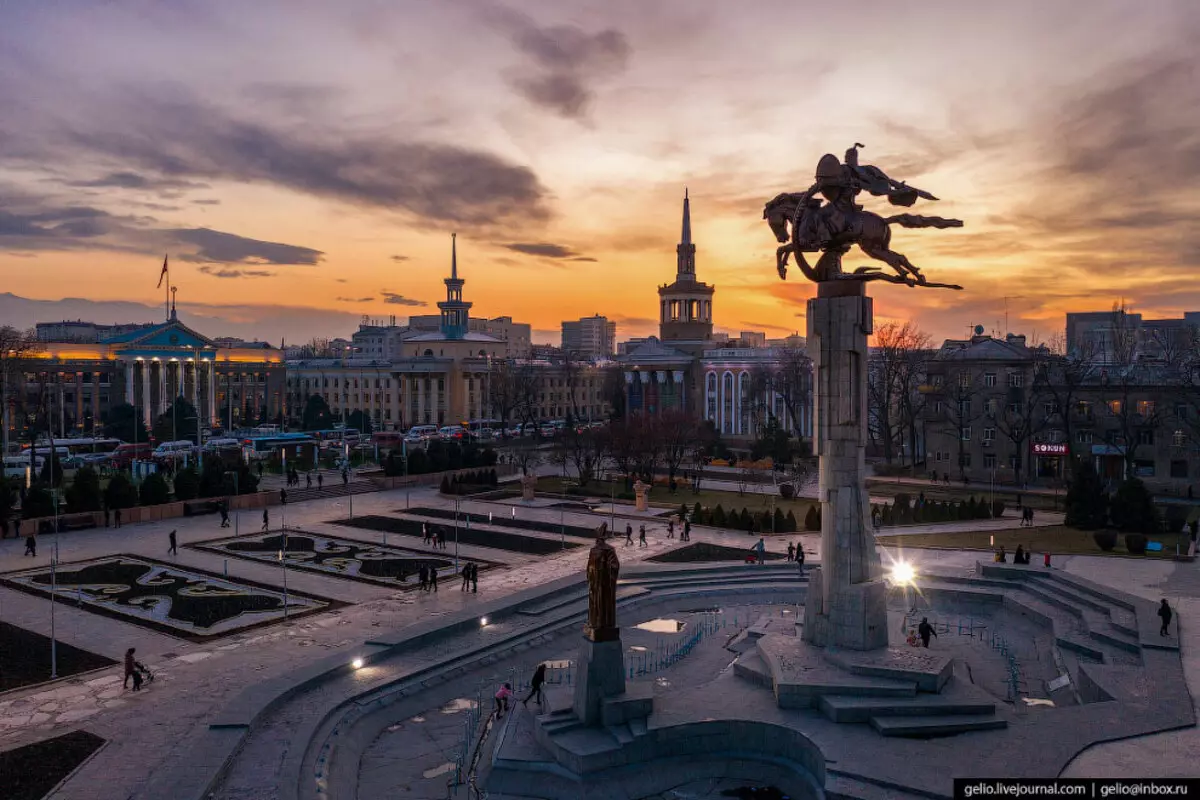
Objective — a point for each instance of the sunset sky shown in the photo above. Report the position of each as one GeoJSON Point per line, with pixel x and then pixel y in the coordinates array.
{"type": "Point", "coordinates": [316, 155]}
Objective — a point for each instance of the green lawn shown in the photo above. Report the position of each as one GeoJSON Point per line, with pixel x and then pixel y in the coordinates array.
{"type": "Point", "coordinates": [660, 496]}
{"type": "Point", "coordinates": [1058, 539]}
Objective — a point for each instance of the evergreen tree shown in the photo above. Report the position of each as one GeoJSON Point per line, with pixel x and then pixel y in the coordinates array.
{"type": "Point", "coordinates": [84, 492]}
{"type": "Point", "coordinates": [791, 522]}
{"type": "Point", "coordinates": [446, 487]}
{"type": "Point", "coordinates": [1132, 508]}
{"type": "Point", "coordinates": [52, 474]}
{"type": "Point", "coordinates": [779, 521]}
{"type": "Point", "coordinates": [697, 514]}
{"type": "Point", "coordinates": [120, 492]}
{"type": "Point", "coordinates": [812, 521]}
{"type": "Point", "coordinates": [317, 416]}
{"type": "Point", "coordinates": [1086, 502]}
{"type": "Point", "coordinates": [360, 421]}
{"type": "Point", "coordinates": [718, 516]}
{"type": "Point", "coordinates": [177, 423]}
{"type": "Point", "coordinates": [187, 484]}
{"type": "Point", "coordinates": [8, 498]}
{"type": "Point", "coordinates": [154, 490]}
{"type": "Point", "coordinates": [125, 423]}
{"type": "Point", "coordinates": [39, 502]}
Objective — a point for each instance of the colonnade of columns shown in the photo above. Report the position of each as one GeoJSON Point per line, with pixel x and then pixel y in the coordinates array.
{"type": "Point", "coordinates": [161, 381]}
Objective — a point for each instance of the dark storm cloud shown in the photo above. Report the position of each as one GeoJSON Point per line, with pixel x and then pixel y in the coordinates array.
{"type": "Point", "coordinates": [227, 272]}
{"type": "Point", "coordinates": [51, 228]}
{"type": "Point", "coordinates": [401, 300]}
{"type": "Point", "coordinates": [546, 250]}
{"type": "Point", "coordinates": [399, 258]}
{"type": "Point", "coordinates": [228, 248]}
{"type": "Point", "coordinates": [563, 61]}
{"type": "Point", "coordinates": [190, 140]}
{"type": "Point", "coordinates": [134, 180]}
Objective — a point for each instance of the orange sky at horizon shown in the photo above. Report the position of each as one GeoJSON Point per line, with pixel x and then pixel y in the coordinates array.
{"type": "Point", "coordinates": [333, 158]}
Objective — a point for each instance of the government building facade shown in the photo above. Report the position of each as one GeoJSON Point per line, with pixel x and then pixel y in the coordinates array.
{"type": "Point", "coordinates": [689, 367]}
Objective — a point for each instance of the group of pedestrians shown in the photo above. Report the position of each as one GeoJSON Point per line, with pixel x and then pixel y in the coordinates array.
{"type": "Point", "coordinates": [470, 577]}
{"type": "Point", "coordinates": [641, 535]}
{"type": "Point", "coordinates": [1026, 517]}
{"type": "Point", "coordinates": [795, 552]}
{"type": "Point", "coordinates": [433, 535]}
{"type": "Point", "coordinates": [428, 576]}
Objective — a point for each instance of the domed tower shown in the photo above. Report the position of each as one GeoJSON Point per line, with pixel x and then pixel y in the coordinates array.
{"type": "Point", "coordinates": [685, 306]}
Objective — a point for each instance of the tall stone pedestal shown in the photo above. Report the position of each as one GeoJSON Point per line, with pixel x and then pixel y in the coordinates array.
{"type": "Point", "coordinates": [847, 599]}
{"type": "Point", "coordinates": [600, 674]}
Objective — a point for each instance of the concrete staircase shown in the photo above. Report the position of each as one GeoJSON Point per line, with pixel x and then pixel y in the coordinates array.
{"type": "Point", "coordinates": [332, 488]}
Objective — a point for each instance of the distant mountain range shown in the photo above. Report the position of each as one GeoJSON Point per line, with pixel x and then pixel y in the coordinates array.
{"type": "Point", "coordinates": [296, 324]}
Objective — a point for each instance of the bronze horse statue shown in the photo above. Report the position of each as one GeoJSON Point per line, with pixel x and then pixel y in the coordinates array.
{"type": "Point", "coordinates": [832, 228]}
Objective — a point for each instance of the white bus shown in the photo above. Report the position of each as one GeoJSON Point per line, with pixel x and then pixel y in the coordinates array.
{"type": "Point", "coordinates": [18, 466]}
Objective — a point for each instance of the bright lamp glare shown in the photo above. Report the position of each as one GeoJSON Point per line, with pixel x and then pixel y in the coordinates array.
{"type": "Point", "coordinates": [903, 572]}
{"type": "Point", "coordinates": [357, 663]}
{"type": "Point", "coordinates": [483, 621]}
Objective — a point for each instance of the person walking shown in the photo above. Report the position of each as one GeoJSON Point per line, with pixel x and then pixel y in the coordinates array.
{"type": "Point", "coordinates": [925, 630]}
{"type": "Point", "coordinates": [474, 578]}
{"type": "Point", "coordinates": [283, 497]}
{"type": "Point", "coordinates": [31, 545]}
{"type": "Point", "coordinates": [671, 529]}
{"type": "Point", "coordinates": [502, 697]}
{"type": "Point", "coordinates": [442, 538]}
{"type": "Point", "coordinates": [117, 517]}
{"type": "Point", "coordinates": [686, 533]}
{"type": "Point", "coordinates": [1019, 556]}
{"type": "Point", "coordinates": [107, 517]}
{"type": "Point", "coordinates": [320, 480]}
{"type": "Point", "coordinates": [224, 509]}
{"type": "Point", "coordinates": [423, 575]}
{"type": "Point", "coordinates": [760, 549]}
{"type": "Point", "coordinates": [173, 546]}
{"type": "Point", "coordinates": [433, 576]}
{"type": "Point", "coordinates": [800, 559]}
{"type": "Point", "coordinates": [791, 553]}
{"type": "Point", "coordinates": [628, 534]}
{"type": "Point", "coordinates": [266, 519]}
{"type": "Point", "coordinates": [466, 577]}
{"type": "Point", "coordinates": [535, 686]}
{"type": "Point", "coordinates": [1165, 614]}
{"type": "Point", "coordinates": [1029, 511]}
{"type": "Point", "coordinates": [642, 537]}
{"type": "Point", "coordinates": [308, 480]}
{"type": "Point", "coordinates": [130, 670]}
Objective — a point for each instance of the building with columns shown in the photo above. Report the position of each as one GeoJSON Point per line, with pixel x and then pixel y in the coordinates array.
{"type": "Point", "coordinates": [148, 366]}
{"type": "Point", "coordinates": [438, 377]}
{"type": "Point", "coordinates": [690, 367]}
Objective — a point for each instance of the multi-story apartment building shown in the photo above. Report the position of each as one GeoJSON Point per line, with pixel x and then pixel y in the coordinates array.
{"type": "Point", "coordinates": [997, 408]}
{"type": "Point", "coordinates": [590, 338]}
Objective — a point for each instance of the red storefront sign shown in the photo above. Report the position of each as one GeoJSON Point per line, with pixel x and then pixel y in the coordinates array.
{"type": "Point", "coordinates": [1044, 449]}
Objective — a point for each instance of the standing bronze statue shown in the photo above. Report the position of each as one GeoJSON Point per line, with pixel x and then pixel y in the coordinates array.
{"type": "Point", "coordinates": [826, 219]}
{"type": "Point", "coordinates": [602, 571]}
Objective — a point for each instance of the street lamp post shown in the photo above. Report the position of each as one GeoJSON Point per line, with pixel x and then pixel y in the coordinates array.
{"type": "Point", "coordinates": [456, 502]}
{"type": "Point", "coordinates": [237, 516]}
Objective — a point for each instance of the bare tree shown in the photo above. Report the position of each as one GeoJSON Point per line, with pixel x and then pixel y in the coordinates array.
{"type": "Point", "coordinates": [512, 391]}
{"type": "Point", "coordinates": [584, 449]}
{"type": "Point", "coordinates": [789, 377]}
{"type": "Point", "coordinates": [1181, 372]}
{"type": "Point", "coordinates": [1062, 375]}
{"type": "Point", "coordinates": [897, 365]}
{"type": "Point", "coordinates": [1129, 389]}
{"type": "Point", "coordinates": [1021, 418]}
{"type": "Point", "coordinates": [526, 455]}
{"type": "Point", "coordinates": [679, 432]}
{"type": "Point", "coordinates": [613, 391]}
{"type": "Point", "coordinates": [961, 410]}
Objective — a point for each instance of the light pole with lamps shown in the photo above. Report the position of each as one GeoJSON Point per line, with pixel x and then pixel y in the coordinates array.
{"type": "Point", "coordinates": [236, 512]}
{"type": "Point", "coordinates": [456, 501]}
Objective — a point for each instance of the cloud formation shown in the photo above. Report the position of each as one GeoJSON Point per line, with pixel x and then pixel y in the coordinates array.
{"type": "Point", "coordinates": [546, 250]}
{"type": "Point", "coordinates": [134, 180]}
{"type": "Point", "coordinates": [401, 300]}
{"type": "Point", "coordinates": [399, 258]}
{"type": "Point", "coordinates": [356, 299]}
{"type": "Point", "coordinates": [228, 248]}
{"type": "Point", "coordinates": [227, 272]}
{"type": "Point", "coordinates": [563, 62]}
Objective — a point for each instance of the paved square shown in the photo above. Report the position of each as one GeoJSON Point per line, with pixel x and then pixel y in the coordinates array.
{"type": "Point", "coordinates": [465, 518]}
{"type": "Point", "coordinates": [492, 538]}
{"type": "Point", "coordinates": [188, 603]}
{"type": "Point", "coordinates": [380, 564]}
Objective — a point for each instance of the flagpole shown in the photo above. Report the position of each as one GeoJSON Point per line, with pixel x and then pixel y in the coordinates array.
{"type": "Point", "coordinates": [167, 294]}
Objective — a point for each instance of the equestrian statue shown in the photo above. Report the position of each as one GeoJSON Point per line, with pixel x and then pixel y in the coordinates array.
{"type": "Point", "coordinates": [827, 220]}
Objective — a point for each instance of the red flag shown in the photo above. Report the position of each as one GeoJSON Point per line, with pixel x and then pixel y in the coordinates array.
{"type": "Point", "coordinates": [162, 274]}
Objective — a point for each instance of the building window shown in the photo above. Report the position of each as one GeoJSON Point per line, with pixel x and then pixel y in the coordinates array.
{"type": "Point", "coordinates": [1179, 438]}
{"type": "Point", "coordinates": [1145, 437]}
{"type": "Point", "coordinates": [935, 381]}
{"type": "Point", "coordinates": [1114, 406]}
{"type": "Point", "coordinates": [989, 435]}
{"type": "Point", "coordinates": [1084, 409]}
{"type": "Point", "coordinates": [1143, 468]}
{"type": "Point", "coordinates": [989, 379]}
{"type": "Point", "coordinates": [1179, 468]}
{"type": "Point", "coordinates": [1016, 380]}
{"type": "Point", "coordinates": [1050, 409]}
{"type": "Point", "coordinates": [989, 407]}
{"type": "Point", "coordinates": [964, 379]}
{"type": "Point", "coordinates": [965, 434]}
{"type": "Point", "coordinates": [1055, 436]}
{"type": "Point", "coordinates": [989, 460]}
{"type": "Point", "coordinates": [964, 460]}
{"type": "Point", "coordinates": [1145, 408]}
{"type": "Point", "coordinates": [1181, 411]}
{"type": "Point", "coordinates": [938, 408]}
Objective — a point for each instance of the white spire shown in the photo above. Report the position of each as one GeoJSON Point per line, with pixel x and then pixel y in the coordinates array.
{"type": "Point", "coordinates": [454, 256]}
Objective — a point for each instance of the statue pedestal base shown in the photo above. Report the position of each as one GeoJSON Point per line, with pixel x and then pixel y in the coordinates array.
{"type": "Point", "coordinates": [854, 619]}
{"type": "Point", "coordinates": [600, 674]}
